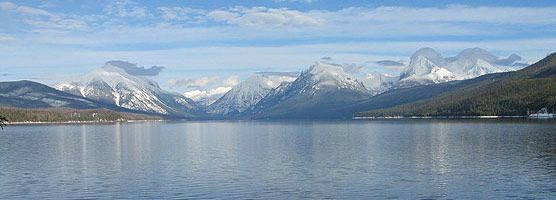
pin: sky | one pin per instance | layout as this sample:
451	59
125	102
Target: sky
206	44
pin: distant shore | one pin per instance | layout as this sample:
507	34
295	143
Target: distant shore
451	117
83	122
353	118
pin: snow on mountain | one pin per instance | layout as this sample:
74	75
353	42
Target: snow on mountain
466	68
427	66
325	85
474	62
28	94
113	84
321	88
248	93
375	82
327	76
378	82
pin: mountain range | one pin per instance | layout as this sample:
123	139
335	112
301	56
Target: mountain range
322	87
516	93
32	101
427	66
28	94
325	90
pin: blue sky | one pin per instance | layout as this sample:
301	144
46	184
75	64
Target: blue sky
52	41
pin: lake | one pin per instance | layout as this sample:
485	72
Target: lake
398	159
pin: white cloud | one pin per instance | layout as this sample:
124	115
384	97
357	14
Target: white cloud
231	81
33	11
385	17
62	24
47	4
209	95
43	20
180	13
262	24
205	82
452	13
271	58
125	8
296	1
262	16
6	38
193	83
266	38
221	15
209	89
7	5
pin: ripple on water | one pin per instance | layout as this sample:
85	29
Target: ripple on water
393	159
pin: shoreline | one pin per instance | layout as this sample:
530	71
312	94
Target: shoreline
84	122
353	118
452	117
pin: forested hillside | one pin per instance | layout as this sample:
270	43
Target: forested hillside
67	115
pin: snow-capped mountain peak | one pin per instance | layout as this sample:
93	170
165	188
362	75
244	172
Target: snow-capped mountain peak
422	70
248	93
419	65
470	68
430	54
113	84
323	75
427	66
324	86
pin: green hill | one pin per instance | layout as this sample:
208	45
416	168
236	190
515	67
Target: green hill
503	94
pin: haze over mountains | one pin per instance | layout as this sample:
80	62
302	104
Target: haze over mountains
325	90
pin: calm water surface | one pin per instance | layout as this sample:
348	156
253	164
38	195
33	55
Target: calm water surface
429	159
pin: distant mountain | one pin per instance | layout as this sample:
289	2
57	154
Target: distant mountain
374	81
425	67
509	93
114	84
322	88
325	90
32	101
429	67
513	60
249	92
329	90
377	82
28	94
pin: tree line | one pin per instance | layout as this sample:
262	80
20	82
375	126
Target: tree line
65	115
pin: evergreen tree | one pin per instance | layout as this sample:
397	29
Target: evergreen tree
3	121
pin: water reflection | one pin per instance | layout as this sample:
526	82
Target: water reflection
290	159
